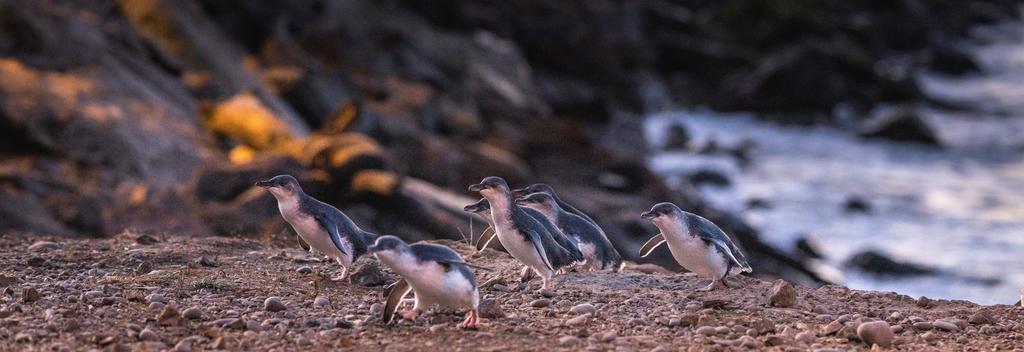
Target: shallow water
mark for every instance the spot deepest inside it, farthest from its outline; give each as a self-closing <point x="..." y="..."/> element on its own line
<point x="959" y="208"/>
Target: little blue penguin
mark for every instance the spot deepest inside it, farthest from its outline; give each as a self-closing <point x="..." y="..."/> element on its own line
<point x="436" y="274"/>
<point x="696" y="243"/>
<point x="325" y="228"/>
<point x="523" y="236"/>
<point x="544" y="188"/>
<point x="595" y="247"/>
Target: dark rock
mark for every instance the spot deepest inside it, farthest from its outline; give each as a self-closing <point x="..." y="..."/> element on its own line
<point x="146" y="240"/>
<point x="807" y="247"/>
<point x="709" y="177"/>
<point x="871" y="261"/>
<point x="490" y="309"/>
<point x="36" y="261"/>
<point x="951" y="60"/>
<point x="856" y="204"/>
<point x="370" y="274"/>
<point x="29" y="295"/>
<point x="758" y="203"/>
<point x="676" y="138"/>
<point x="900" y="124"/>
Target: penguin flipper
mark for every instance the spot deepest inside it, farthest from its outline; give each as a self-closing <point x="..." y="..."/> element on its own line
<point x="485" y="239"/>
<point x="332" y="232"/>
<point x="398" y="291"/>
<point x="651" y="244"/>
<point x="459" y="262"/>
<point x="536" y="239"/>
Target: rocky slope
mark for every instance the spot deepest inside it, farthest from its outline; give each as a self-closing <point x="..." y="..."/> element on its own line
<point x="137" y="292"/>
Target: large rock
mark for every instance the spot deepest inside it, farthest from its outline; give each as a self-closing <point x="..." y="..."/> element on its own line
<point x="871" y="261"/>
<point x="900" y="124"/>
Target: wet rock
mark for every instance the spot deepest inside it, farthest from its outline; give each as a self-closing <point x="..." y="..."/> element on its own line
<point x="951" y="60"/>
<point x="782" y="294"/>
<point x="490" y="309"/>
<point x="273" y="304"/>
<point x="709" y="177"/>
<point x="871" y="261"/>
<point x="192" y="313"/>
<point x="876" y="333"/>
<point x="945" y="326"/>
<point x="370" y="274"/>
<point x="169" y="316"/>
<point x="900" y="124"/>
<point x="856" y="204"/>
<point x="43" y="246"/>
<point x="540" y="303"/>
<point x="147" y="335"/>
<point x="30" y="294"/>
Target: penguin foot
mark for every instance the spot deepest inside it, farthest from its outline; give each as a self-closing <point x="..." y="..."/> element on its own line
<point x="471" y="320"/>
<point x="343" y="276"/>
<point x="409" y="314"/>
<point x="525" y="274"/>
<point x="709" y="287"/>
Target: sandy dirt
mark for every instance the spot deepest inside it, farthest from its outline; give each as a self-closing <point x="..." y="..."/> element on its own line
<point x="135" y="292"/>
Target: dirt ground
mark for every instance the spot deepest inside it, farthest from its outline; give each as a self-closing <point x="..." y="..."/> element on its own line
<point x="135" y="292"/>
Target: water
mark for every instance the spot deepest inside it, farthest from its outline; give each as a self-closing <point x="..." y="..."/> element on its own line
<point x="958" y="208"/>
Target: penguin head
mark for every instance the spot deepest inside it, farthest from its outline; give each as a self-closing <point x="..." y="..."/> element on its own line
<point x="281" y="185"/>
<point x="538" y="200"/>
<point x="491" y="186"/>
<point x="534" y="188"/>
<point x="387" y="245"/>
<point x="662" y="212"/>
<point x="479" y="207"/>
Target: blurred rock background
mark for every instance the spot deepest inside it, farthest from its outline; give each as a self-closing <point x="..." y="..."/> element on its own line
<point x="158" y="115"/>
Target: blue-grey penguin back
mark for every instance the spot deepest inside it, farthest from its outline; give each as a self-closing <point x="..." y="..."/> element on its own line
<point x="445" y="256"/>
<point x="589" y="233"/>
<point x="712" y="233"/>
<point x="557" y="255"/>
<point x="560" y="238"/>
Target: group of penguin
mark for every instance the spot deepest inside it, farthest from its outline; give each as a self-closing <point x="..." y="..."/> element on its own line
<point x="534" y="226"/>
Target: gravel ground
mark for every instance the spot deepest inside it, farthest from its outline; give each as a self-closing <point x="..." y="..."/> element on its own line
<point x="136" y="292"/>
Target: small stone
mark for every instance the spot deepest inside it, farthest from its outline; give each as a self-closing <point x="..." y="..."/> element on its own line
<point x="437" y="327"/>
<point x="36" y="261"/>
<point x="896" y="316"/>
<point x="305" y="269"/>
<point x="156" y="297"/>
<point x="156" y="306"/>
<point x="185" y="345"/>
<point x="490" y="309"/>
<point x="750" y="343"/>
<point x="29" y="294"/>
<point x="540" y="303"/>
<point x="782" y="294"/>
<point x="147" y="335"/>
<point x="547" y="293"/>
<point x="945" y="326"/>
<point x="22" y="337"/>
<point x="43" y="246"/>
<point x="832" y="328"/>
<point x="609" y="336"/>
<point x="376" y="308"/>
<point x="303" y="341"/>
<point x="707" y="320"/>
<point x="876" y="333"/>
<point x="722" y="330"/>
<point x="146" y="240"/>
<point x="775" y="340"/>
<point x="706" y="331"/>
<point x="584" y="308"/>
<point x="193" y="313"/>
<point x="494" y="281"/>
<point x="689" y="319"/>
<point x="568" y="340"/>
<point x="578" y="320"/>
<point x="321" y="301"/>
<point x="930" y="336"/>
<point x="273" y="304"/>
<point x="370" y="274"/>
<point x="923" y="326"/>
<point x="169" y="316"/>
<point x="674" y="321"/>
<point x="982" y="318"/>
<point x="805" y="337"/>
<point x="144" y="268"/>
<point x="896" y="329"/>
<point x="660" y="348"/>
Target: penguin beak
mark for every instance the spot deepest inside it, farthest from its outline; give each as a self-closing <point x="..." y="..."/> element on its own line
<point x="264" y="184"/>
<point x="647" y="215"/>
<point x="476" y="187"/>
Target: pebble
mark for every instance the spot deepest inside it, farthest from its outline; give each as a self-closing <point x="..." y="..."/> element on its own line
<point x="193" y="313"/>
<point x="547" y="293"/>
<point x="750" y="343"/>
<point x="156" y="297"/>
<point x="722" y="330"/>
<point x="922" y="325"/>
<point x="896" y="316"/>
<point x="578" y="320"/>
<point x="147" y="335"/>
<point x="376" y="308"/>
<point x="782" y="294"/>
<point x="157" y="306"/>
<point x="775" y="340"/>
<point x="982" y="318"/>
<point x="896" y="329"/>
<point x="706" y="331"/>
<point x="930" y="336"/>
<point x="273" y="304"/>
<point x="185" y="345"/>
<point x="321" y="301"/>
<point x="540" y="303"/>
<point x="29" y="294"/>
<point x="945" y="326"/>
<point x="832" y="328"/>
<point x="674" y="321"/>
<point x="609" y="336"/>
<point x="876" y="333"/>
<point x="660" y="348"/>
<point x="583" y="308"/>
<point x="22" y="337"/>
<point x="568" y="340"/>
<point x="490" y="309"/>
<point x="805" y="337"/>
<point x="169" y="316"/>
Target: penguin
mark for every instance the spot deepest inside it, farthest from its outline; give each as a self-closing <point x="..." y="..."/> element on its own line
<point x="696" y="243"/>
<point x="544" y="188"/>
<point x="595" y="247"/>
<point x="482" y="208"/>
<point x="522" y="235"/>
<point x="436" y="274"/>
<point x="325" y="228"/>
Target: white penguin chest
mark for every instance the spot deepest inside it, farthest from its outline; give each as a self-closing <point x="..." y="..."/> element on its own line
<point x="518" y="245"/>
<point x="695" y="255"/>
<point x="433" y="285"/>
<point x="313" y="234"/>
